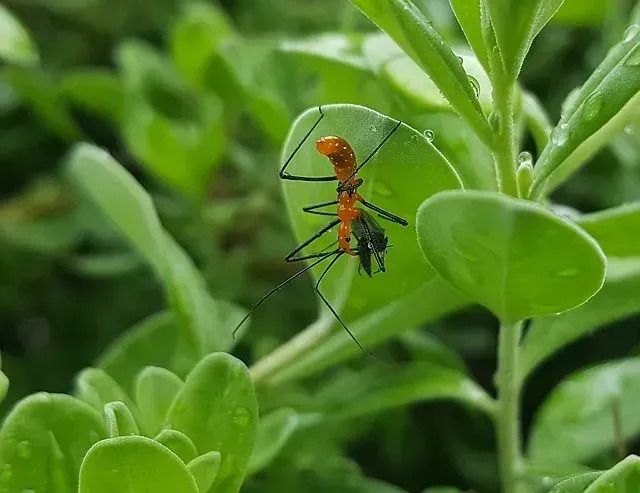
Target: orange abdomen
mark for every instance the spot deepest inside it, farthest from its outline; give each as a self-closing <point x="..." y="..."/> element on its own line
<point x="340" y="154"/>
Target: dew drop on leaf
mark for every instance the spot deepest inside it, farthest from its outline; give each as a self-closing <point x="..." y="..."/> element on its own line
<point x="429" y="135"/>
<point x="631" y="32"/>
<point x="241" y="416"/>
<point x="592" y="105"/>
<point x="475" y="84"/>
<point x="460" y="60"/>
<point x="525" y="158"/>
<point x="559" y="135"/>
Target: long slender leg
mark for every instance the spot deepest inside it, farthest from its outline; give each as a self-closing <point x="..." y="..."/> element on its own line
<point x="376" y="255"/>
<point x="328" y="227"/>
<point x="311" y="209"/>
<point x="283" y="171"/>
<point x="324" y="300"/>
<point x="371" y="154"/>
<point x="385" y="214"/>
<point x="295" y="276"/>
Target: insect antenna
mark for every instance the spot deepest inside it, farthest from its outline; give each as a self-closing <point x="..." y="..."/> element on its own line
<point x="323" y="256"/>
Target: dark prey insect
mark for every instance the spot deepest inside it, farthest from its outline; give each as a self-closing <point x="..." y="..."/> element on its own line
<point x="354" y="222"/>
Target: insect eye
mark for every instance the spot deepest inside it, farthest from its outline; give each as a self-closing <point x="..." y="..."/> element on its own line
<point x="347" y="239"/>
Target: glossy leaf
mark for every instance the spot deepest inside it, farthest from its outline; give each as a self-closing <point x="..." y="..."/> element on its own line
<point x="617" y="299"/>
<point x="509" y="255"/>
<point x="615" y="229"/>
<point x="375" y="389"/>
<point x="516" y="23"/>
<point x="155" y="389"/>
<point x="43" y="441"/>
<point x="579" y="413"/>
<point x="604" y="105"/>
<point x="179" y="443"/>
<point x="217" y="409"/>
<point x="274" y="430"/>
<point x="575" y="484"/>
<point x="119" y="420"/>
<point x="624" y="477"/>
<point x="16" y="45"/>
<point x="468" y="14"/>
<point x="134" y="464"/>
<point x="415" y="34"/>
<point x="205" y="469"/>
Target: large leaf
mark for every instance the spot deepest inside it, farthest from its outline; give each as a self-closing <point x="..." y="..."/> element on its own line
<point x="575" y="484"/>
<point x="579" y="413"/>
<point x="624" y="477"/>
<point x="16" y="45"/>
<point x="415" y="34"/>
<point x="510" y="255"/>
<point x="615" y="229"/>
<point x="617" y="299"/>
<point x="217" y="409"/>
<point x="134" y="464"/>
<point x="516" y="23"/>
<point x="604" y="105"/>
<point x="43" y="441"/>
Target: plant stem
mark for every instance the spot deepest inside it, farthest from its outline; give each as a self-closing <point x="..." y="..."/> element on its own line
<point x="508" y="426"/>
<point x="504" y="150"/>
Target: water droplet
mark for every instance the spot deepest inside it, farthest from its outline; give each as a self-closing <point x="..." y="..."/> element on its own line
<point x="525" y="158"/>
<point x="495" y="122"/>
<point x="24" y="450"/>
<point x="568" y="272"/>
<point x="592" y="105"/>
<point x="475" y="84"/>
<point x="631" y="32"/>
<point x="629" y="130"/>
<point x="380" y="188"/>
<point x="414" y="138"/>
<point x="241" y="416"/>
<point x="460" y="60"/>
<point x="7" y="473"/>
<point x="496" y="50"/>
<point x="429" y="135"/>
<point x="633" y="59"/>
<point x="559" y="135"/>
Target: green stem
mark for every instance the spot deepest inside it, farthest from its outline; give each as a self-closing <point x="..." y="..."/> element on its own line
<point x="508" y="427"/>
<point x="504" y="150"/>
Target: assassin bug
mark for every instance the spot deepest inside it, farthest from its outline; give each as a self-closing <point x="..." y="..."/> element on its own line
<point x="371" y="240"/>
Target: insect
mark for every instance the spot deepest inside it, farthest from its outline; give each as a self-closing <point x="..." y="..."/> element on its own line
<point x="354" y="222"/>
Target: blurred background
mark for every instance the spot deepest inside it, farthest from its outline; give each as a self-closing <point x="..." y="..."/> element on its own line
<point x="195" y="99"/>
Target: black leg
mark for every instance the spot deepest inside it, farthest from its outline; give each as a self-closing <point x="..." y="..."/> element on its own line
<point x="311" y="209"/>
<point x="328" y="227"/>
<point x="385" y="214"/>
<point x="283" y="171"/>
<point x="324" y="300"/>
<point x="371" y="154"/>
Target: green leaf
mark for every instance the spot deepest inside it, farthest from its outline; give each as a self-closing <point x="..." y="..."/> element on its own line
<point x="179" y="443"/>
<point x="4" y="386"/>
<point x="468" y="14"/>
<point x="375" y="389"/>
<point x="516" y="23"/>
<point x="408" y="26"/>
<point x="205" y="469"/>
<point x="217" y="409"/>
<point x="575" y="484"/>
<point x="16" y="45"/>
<point x="426" y="348"/>
<point x="105" y="265"/>
<point x="155" y="390"/>
<point x="580" y="13"/>
<point x="617" y="299"/>
<point x="509" y="255"/>
<point x="120" y="421"/>
<point x="615" y="229"/>
<point x="133" y="464"/>
<point x="96" y="90"/>
<point x="274" y="430"/>
<point x="579" y="413"/>
<point x="605" y="104"/>
<point x="43" y="441"/>
<point x="624" y="477"/>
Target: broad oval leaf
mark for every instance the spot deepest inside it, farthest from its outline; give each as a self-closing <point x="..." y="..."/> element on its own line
<point x="16" y="45"/>
<point x="216" y="407"/>
<point x="179" y="443"/>
<point x="615" y="229"/>
<point x="601" y="109"/>
<point x="617" y="299"/>
<point x="119" y="420"/>
<point x="43" y="441"/>
<point x="623" y="477"/>
<point x="509" y="255"/>
<point x="204" y="469"/>
<point x="155" y="389"/>
<point x="575" y="484"/>
<point x="579" y="413"/>
<point x="415" y="34"/>
<point x="134" y="464"/>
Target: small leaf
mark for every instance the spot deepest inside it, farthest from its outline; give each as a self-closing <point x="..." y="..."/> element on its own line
<point x="579" y="413"/>
<point x="510" y="255"/>
<point x="575" y="484"/>
<point x="217" y="409"/>
<point x="617" y="299"/>
<point x="274" y="430"/>
<point x="133" y="464"/>
<point x="179" y="443"/>
<point x="605" y="104"/>
<point x="120" y="421"/>
<point x="374" y="390"/>
<point x="43" y="441"/>
<point x="205" y="469"/>
<point x="155" y="389"/>
<point x="96" y="90"/>
<point x="615" y="229"/>
<point x="16" y="45"/>
<point x="468" y="14"/>
<point x="407" y="25"/>
<point x="624" y="477"/>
